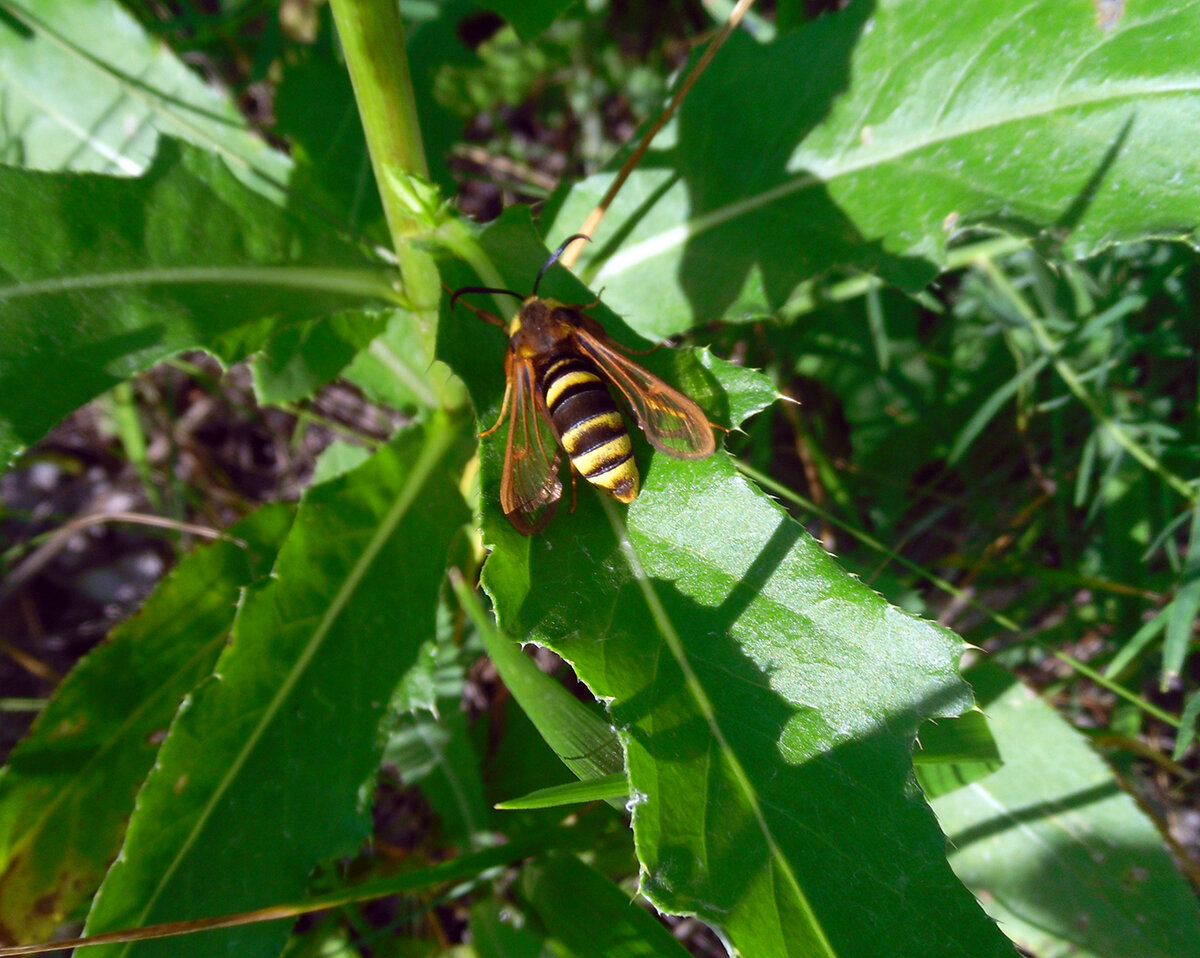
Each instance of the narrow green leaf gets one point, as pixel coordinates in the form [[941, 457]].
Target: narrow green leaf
[[86, 89], [966, 738], [614, 786], [1188, 722], [1137, 642], [1056, 851], [955, 752], [121, 273], [991, 406], [589, 915], [767, 700], [263, 774], [1184, 607], [586, 744], [856, 142], [68, 788]]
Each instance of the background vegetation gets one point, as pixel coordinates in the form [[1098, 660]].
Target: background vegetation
[[953, 235]]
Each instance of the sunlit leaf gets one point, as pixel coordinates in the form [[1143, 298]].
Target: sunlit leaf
[[262, 774], [1058, 854], [85, 88], [614, 786], [121, 273], [767, 700], [867, 138], [69, 786]]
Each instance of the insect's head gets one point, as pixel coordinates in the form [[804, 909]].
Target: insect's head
[[464, 290]]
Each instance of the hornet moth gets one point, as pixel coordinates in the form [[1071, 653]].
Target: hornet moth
[[558, 362]]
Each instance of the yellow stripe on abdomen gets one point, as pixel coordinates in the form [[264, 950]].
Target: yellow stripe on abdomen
[[621, 481], [610, 466], [557, 385], [583, 435], [591, 430]]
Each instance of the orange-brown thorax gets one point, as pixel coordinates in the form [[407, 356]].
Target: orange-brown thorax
[[541, 325]]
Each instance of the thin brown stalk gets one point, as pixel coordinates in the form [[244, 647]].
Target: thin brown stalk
[[571, 253]]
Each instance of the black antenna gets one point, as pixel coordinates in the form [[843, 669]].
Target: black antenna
[[463, 290], [554, 257]]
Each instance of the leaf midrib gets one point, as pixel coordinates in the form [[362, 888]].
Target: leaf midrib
[[435, 448], [366, 282], [155, 101], [674, 643]]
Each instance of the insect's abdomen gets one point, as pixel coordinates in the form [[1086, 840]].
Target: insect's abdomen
[[593, 432]]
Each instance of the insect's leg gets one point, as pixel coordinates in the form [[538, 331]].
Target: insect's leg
[[574, 500], [637, 352], [503, 409]]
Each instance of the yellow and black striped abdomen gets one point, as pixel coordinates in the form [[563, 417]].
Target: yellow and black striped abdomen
[[593, 432]]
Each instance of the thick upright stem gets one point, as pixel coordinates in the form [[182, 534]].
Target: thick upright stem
[[373, 39]]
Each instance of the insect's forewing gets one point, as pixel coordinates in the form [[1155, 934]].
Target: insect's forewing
[[529, 486], [673, 423]]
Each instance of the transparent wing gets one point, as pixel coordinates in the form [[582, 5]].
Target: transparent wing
[[529, 485], [672, 423]]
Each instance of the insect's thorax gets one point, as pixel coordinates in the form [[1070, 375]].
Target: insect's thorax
[[542, 327]]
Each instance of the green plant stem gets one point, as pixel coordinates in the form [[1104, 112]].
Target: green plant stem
[[133, 439], [1075, 385], [372, 37], [307, 416], [1117, 689]]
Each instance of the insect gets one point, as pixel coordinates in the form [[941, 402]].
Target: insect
[[556, 367]]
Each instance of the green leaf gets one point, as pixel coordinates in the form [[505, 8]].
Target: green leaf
[[614, 786], [428, 740], [582, 741], [528, 17], [263, 774], [767, 700], [86, 89], [589, 915], [1187, 726], [300, 359], [1183, 609], [315, 110], [1053, 847], [962, 739], [121, 273], [955, 752], [435, 43], [436, 754], [499, 931], [68, 788], [338, 458], [397, 370], [858, 143]]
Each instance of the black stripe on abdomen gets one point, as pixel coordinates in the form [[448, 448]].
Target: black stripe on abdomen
[[593, 432]]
